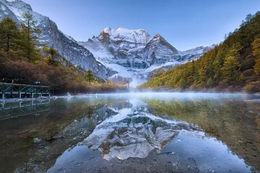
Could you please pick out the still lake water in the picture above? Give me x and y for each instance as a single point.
(134, 132)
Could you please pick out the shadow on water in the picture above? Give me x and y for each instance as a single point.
(135, 133)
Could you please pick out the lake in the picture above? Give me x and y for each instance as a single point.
(132, 132)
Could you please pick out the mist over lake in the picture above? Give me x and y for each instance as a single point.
(148, 132)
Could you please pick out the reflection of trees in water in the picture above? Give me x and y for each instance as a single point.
(229, 121)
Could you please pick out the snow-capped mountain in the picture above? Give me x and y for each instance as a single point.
(131, 48)
(124, 35)
(121, 54)
(134, 53)
(124, 44)
(52, 36)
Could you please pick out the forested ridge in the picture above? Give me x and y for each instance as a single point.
(24, 60)
(233, 65)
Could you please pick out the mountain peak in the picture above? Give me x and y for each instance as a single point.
(107, 29)
(158, 38)
(122, 29)
(158, 35)
(139, 36)
(158, 42)
(17, 7)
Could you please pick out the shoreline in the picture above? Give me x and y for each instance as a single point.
(83, 95)
(15, 100)
(198, 91)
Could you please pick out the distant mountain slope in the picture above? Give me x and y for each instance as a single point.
(159, 51)
(234, 65)
(52, 36)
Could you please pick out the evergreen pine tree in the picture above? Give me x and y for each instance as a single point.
(30, 40)
(230, 70)
(89, 77)
(210, 82)
(9, 37)
(256, 53)
(50, 59)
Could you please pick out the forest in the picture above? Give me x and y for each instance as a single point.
(231, 66)
(24, 60)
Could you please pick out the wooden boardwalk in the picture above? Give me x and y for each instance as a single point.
(19, 91)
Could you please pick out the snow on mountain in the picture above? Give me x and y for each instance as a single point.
(197, 51)
(124, 44)
(52, 36)
(70, 38)
(100, 52)
(134, 53)
(139, 36)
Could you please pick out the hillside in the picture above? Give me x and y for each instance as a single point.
(51, 36)
(24, 60)
(233, 65)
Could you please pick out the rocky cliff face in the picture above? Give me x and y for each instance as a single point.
(52, 36)
(159, 51)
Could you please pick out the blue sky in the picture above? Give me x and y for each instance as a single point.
(184, 23)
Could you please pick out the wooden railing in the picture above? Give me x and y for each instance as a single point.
(11, 90)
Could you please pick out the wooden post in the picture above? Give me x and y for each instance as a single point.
(12, 89)
(20, 94)
(31, 91)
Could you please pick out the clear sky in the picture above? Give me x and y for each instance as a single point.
(184, 23)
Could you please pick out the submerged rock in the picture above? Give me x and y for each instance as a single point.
(37, 140)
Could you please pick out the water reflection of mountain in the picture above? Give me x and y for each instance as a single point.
(129, 131)
(234, 123)
(133, 133)
(121, 128)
